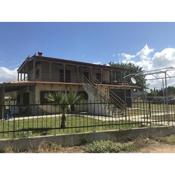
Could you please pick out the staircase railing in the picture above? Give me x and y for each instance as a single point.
(114, 99)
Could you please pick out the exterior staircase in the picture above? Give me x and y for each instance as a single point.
(111, 105)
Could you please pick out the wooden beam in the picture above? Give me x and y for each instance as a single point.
(110, 76)
(34, 71)
(50, 71)
(78, 74)
(18, 76)
(101, 75)
(64, 70)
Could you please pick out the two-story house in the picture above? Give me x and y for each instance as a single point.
(39, 75)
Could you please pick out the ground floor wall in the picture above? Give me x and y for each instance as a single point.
(28, 96)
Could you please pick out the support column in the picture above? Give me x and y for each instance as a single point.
(24, 76)
(18, 76)
(91, 75)
(64, 66)
(34, 67)
(2, 95)
(110, 76)
(50, 71)
(78, 75)
(101, 70)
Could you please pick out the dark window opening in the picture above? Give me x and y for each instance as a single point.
(26, 98)
(61, 75)
(98, 76)
(83, 94)
(18, 99)
(68, 76)
(37, 73)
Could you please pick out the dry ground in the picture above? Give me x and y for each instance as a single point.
(143, 145)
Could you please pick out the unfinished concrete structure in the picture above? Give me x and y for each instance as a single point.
(39, 75)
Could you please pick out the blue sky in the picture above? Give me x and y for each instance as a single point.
(91, 42)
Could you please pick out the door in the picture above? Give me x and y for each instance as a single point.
(26, 98)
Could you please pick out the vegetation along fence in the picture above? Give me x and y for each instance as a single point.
(19, 121)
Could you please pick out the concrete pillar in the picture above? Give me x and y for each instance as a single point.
(2, 95)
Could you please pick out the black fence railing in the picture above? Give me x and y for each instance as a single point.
(21, 121)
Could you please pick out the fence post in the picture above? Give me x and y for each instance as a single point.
(2, 93)
(149, 107)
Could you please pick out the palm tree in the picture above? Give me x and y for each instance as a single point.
(66, 102)
(72, 99)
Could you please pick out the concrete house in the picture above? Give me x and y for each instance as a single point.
(39, 75)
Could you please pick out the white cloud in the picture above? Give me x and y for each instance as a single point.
(7, 75)
(98, 62)
(166, 57)
(149, 59)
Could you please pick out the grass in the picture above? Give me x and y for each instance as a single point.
(47, 125)
(35, 126)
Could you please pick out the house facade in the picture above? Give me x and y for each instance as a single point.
(39, 75)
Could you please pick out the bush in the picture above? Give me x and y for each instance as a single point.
(109, 147)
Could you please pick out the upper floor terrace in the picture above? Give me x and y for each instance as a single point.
(41, 68)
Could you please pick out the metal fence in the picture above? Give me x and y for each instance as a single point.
(19, 121)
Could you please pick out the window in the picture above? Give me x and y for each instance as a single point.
(117, 77)
(98, 76)
(61, 75)
(68, 76)
(26, 98)
(18, 99)
(83, 94)
(37, 73)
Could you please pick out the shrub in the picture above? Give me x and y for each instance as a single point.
(109, 147)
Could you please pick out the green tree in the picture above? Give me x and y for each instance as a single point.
(132, 69)
(66, 103)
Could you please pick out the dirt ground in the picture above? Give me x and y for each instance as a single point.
(142, 145)
(158, 148)
(146, 145)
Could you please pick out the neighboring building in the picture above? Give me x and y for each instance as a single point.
(39, 75)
